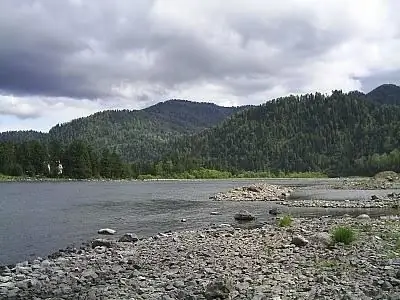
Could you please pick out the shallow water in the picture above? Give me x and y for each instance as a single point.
(37, 219)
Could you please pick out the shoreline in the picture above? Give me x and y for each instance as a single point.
(246, 263)
(32, 179)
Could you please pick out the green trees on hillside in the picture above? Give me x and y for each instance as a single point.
(297, 134)
(340, 134)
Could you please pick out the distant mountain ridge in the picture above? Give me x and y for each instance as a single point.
(133, 133)
(149, 134)
(385, 94)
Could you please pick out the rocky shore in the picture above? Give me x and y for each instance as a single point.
(381, 181)
(391, 200)
(300, 261)
(259, 192)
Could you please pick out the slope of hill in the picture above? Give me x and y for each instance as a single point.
(141, 135)
(385, 94)
(22, 136)
(306, 133)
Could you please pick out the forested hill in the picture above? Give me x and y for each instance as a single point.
(141, 135)
(385, 94)
(306, 133)
(135, 135)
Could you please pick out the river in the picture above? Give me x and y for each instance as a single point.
(37, 219)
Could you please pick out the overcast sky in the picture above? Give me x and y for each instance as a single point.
(62, 59)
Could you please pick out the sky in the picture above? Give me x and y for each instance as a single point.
(64, 59)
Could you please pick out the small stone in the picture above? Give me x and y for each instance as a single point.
(179, 284)
(106, 231)
(45, 263)
(244, 216)
(183, 220)
(274, 211)
(299, 241)
(363, 217)
(100, 243)
(215, 213)
(323, 238)
(128, 238)
(141, 278)
(100, 249)
(218, 289)
(8, 285)
(5, 278)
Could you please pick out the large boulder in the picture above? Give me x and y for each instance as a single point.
(244, 215)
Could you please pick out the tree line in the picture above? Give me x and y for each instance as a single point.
(339, 135)
(76, 160)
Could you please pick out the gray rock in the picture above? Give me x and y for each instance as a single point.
(101, 243)
(8, 285)
(244, 216)
(215, 213)
(179, 284)
(100, 249)
(129, 238)
(5, 278)
(299, 241)
(274, 211)
(363, 217)
(323, 238)
(218, 289)
(106, 231)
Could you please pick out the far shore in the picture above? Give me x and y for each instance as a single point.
(48, 179)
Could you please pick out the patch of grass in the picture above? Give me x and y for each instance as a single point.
(285, 221)
(343, 234)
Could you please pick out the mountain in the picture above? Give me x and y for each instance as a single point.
(141, 134)
(298, 133)
(385, 94)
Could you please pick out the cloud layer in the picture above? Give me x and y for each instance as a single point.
(82, 56)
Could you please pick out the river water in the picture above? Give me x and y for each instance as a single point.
(37, 219)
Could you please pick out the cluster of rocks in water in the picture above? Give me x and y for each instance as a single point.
(391, 200)
(222, 262)
(259, 192)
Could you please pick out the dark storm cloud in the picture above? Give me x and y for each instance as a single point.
(94, 49)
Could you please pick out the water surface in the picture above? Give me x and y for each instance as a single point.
(37, 219)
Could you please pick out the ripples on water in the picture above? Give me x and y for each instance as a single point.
(39, 218)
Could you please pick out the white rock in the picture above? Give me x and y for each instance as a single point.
(363, 217)
(107, 231)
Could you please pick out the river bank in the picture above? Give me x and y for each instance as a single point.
(296, 262)
(282, 195)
